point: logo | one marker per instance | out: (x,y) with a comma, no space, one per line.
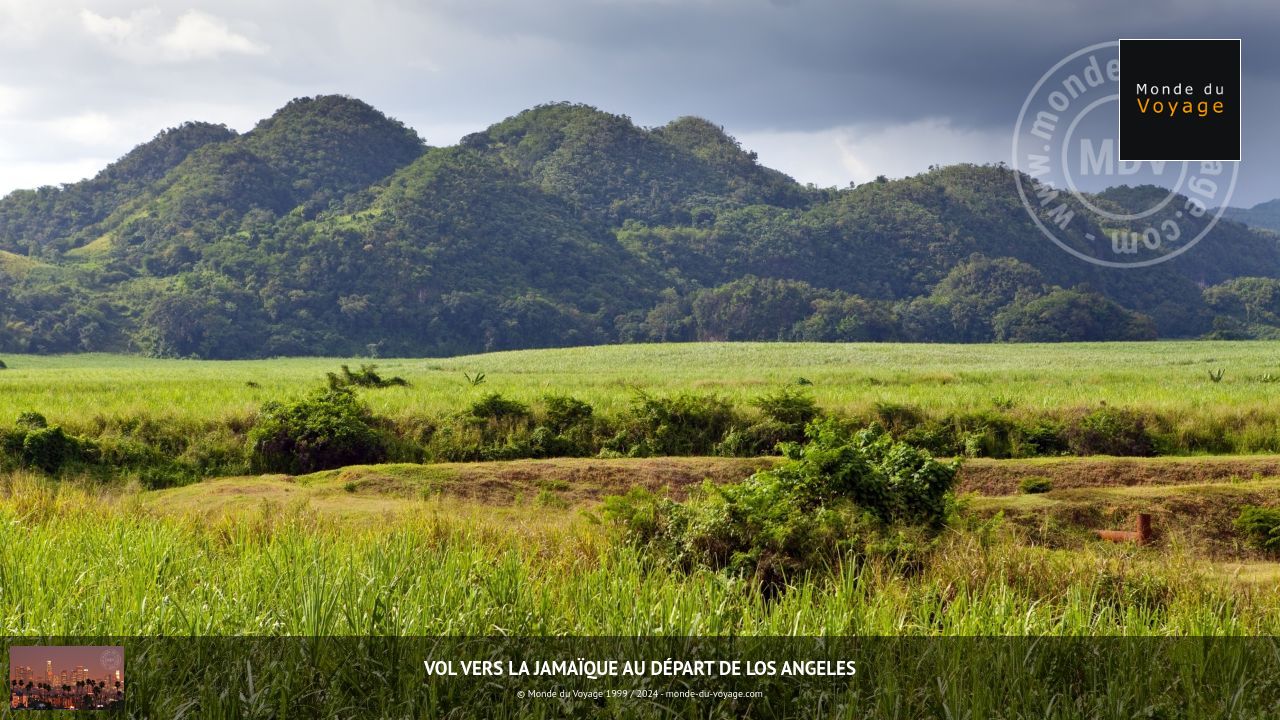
(1180,99)
(1098,208)
(110,659)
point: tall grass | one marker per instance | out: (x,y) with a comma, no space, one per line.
(74,561)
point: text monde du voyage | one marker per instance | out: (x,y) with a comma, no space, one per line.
(1181,99)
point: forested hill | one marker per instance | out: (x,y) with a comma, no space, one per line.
(1264,215)
(331,229)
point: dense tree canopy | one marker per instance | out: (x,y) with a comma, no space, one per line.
(332,229)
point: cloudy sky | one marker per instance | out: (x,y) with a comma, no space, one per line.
(829,91)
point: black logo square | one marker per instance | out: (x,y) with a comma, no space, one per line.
(1179,100)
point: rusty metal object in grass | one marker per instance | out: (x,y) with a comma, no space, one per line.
(1141,535)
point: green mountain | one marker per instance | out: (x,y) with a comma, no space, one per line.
(31,220)
(1263,215)
(331,229)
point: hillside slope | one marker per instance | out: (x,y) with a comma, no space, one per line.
(330,228)
(1263,215)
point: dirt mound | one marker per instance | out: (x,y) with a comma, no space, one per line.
(575,480)
(1001,477)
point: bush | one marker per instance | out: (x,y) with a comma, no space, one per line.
(33,443)
(11,446)
(985,434)
(1109,431)
(1260,527)
(789,407)
(541,442)
(50,448)
(32,420)
(153,467)
(1043,436)
(3,366)
(898,417)
(684,424)
(495,407)
(575,427)
(761,438)
(366,377)
(786,413)
(837,493)
(328,429)
(1035,484)
(495,428)
(565,413)
(549,499)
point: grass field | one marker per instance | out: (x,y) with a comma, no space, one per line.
(312,570)
(519,547)
(1170,377)
(274,556)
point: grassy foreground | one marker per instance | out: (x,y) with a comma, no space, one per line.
(80,561)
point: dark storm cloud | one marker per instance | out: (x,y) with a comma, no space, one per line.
(86,80)
(811,65)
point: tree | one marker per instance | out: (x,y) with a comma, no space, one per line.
(753,309)
(1071,315)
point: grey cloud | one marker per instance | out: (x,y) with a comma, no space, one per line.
(753,65)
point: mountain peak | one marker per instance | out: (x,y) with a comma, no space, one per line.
(333,144)
(323,106)
(703,138)
(150,161)
(1263,215)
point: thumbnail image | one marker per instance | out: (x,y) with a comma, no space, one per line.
(66,677)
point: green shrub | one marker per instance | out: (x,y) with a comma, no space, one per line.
(1109,431)
(762,438)
(898,417)
(984,434)
(565,413)
(366,377)
(495,407)
(1260,527)
(684,424)
(328,429)
(840,492)
(1042,436)
(165,475)
(785,415)
(541,442)
(34,443)
(1035,484)
(457,441)
(549,499)
(936,436)
(788,406)
(493,428)
(11,446)
(1003,402)
(49,448)
(3,366)
(32,420)
(154,468)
